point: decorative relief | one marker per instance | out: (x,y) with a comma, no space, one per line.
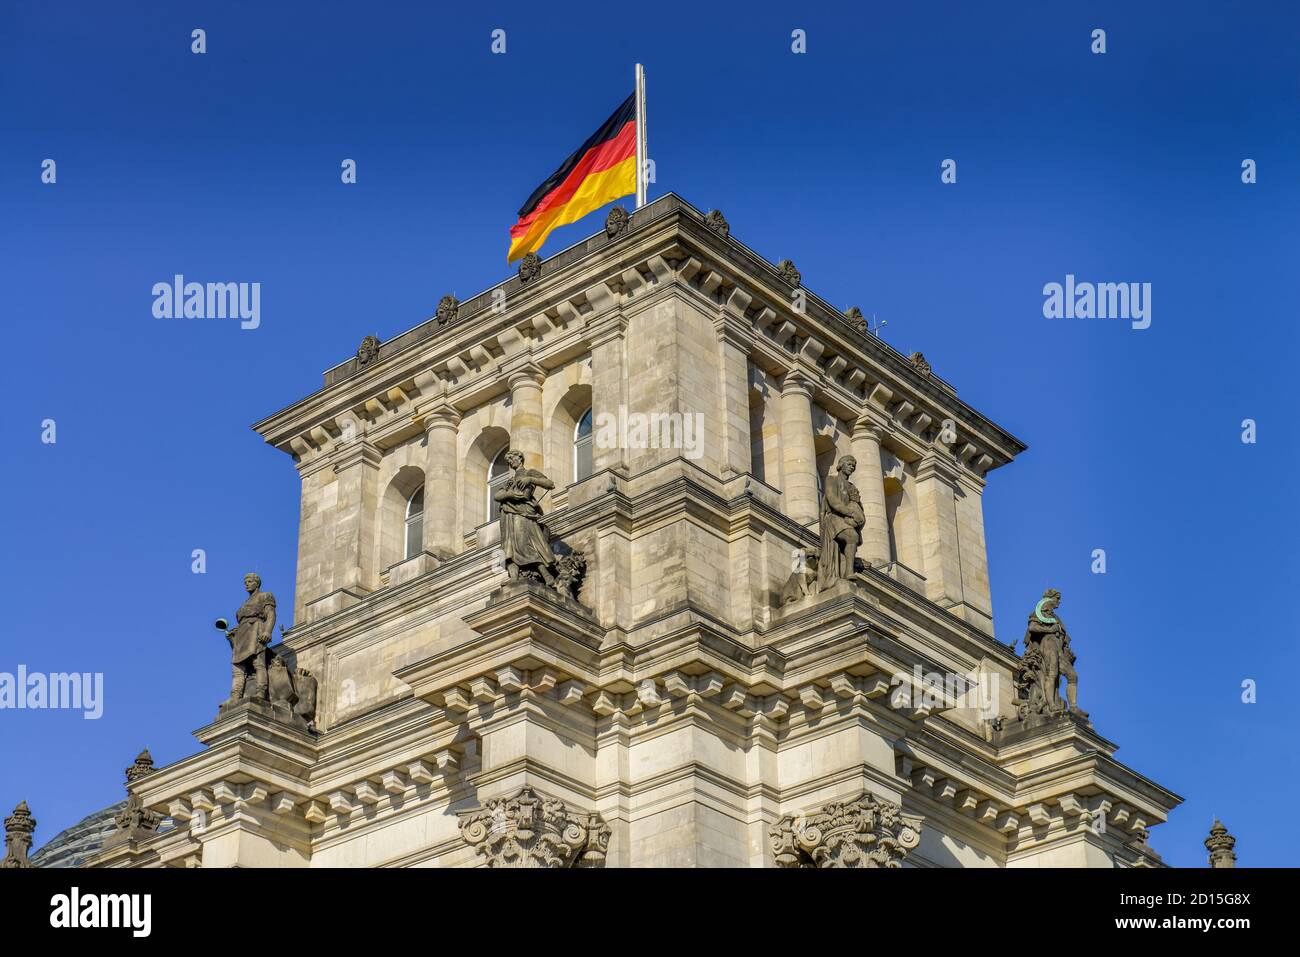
(530,267)
(18,837)
(919,363)
(854,315)
(791,275)
(718,223)
(861,833)
(368,351)
(616,222)
(528,830)
(448,310)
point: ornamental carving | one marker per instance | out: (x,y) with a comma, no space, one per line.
(528,830)
(856,319)
(18,837)
(368,351)
(135,815)
(448,310)
(919,363)
(718,223)
(616,222)
(530,267)
(791,275)
(861,833)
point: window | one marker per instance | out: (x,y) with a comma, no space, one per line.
(415,523)
(498,475)
(582,448)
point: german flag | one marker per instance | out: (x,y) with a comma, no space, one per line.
(600,170)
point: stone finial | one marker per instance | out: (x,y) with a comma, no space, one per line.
(528,830)
(448,310)
(143,765)
(1220,844)
(616,221)
(791,275)
(135,816)
(717,222)
(918,363)
(530,267)
(18,837)
(860,833)
(858,321)
(368,351)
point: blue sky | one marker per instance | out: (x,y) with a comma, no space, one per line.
(225,167)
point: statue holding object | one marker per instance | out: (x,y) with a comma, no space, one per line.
(290,691)
(529,555)
(1047,659)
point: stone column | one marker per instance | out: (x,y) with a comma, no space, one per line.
(442,464)
(870,481)
(937,511)
(526,412)
(356,472)
(733,348)
(799,474)
(608,392)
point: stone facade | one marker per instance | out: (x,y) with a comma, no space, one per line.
(676,712)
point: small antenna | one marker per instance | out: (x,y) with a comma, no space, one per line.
(876,325)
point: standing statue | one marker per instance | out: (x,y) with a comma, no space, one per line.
(288,690)
(1047,658)
(248,640)
(841,522)
(523,538)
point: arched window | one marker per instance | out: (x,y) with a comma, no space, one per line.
(415,523)
(498,475)
(582,448)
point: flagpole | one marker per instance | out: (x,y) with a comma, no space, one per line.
(640,137)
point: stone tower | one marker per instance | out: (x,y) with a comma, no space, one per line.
(685,691)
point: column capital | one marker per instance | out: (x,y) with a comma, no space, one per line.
(935,466)
(612,326)
(869,427)
(798,381)
(437,414)
(529,372)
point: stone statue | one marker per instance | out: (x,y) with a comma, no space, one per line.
(525,540)
(290,692)
(18,837)
(254,623)
(1047,659)
(841,522)
(135,816)
(523,537)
